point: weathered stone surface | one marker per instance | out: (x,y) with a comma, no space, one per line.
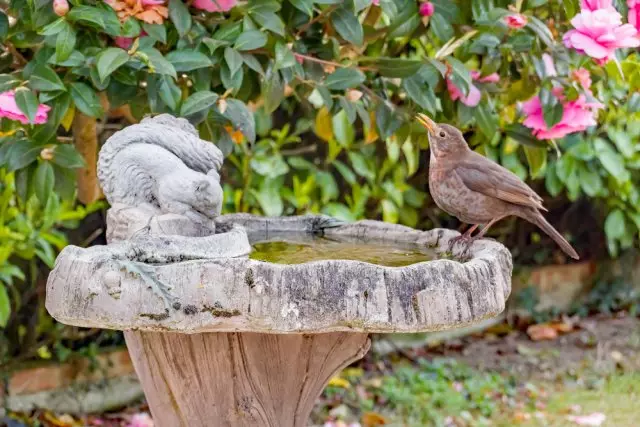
(186,284)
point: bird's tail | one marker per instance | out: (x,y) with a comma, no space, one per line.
(535,217)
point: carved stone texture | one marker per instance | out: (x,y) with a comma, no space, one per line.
(238,379)
(141,283)
(162,166)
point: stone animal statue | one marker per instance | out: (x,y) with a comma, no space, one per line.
(161,166)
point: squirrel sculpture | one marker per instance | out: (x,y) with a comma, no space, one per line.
(162,165)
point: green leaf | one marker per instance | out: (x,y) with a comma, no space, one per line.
(487,122)
(131,28)
(8,82)
(552,109)
(614,225)
(4,28)
(540,29)
(156,31)
(54,28)
(85,99)
(76,59)
(197,102)
(284,57)
(188,60)
(180,16)
(65,42)
(361,166)
(537,159)
(590,181)
(88,14)
(552,183)
(271,166)
(611,160)
(157,63)
(266,18)
(27,102)
(305,6)
(391,67)
(232,81)
(169,92)
(45,79)
(523,135)
(347,25)
(233,59)
(343,130)
(272,90)
(21,154)
(67,156)
(5,306)
(249,40)
(44,181)
(344,78)
(420,93)
(252,62)
(389,211)
(110,60)
(622,140)
(387,121)
(441,27)
(241,118)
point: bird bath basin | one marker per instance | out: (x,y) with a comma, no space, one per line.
(221,333)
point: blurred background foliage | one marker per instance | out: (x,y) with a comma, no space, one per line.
(312,102)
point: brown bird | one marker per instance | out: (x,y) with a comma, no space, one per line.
(477,190)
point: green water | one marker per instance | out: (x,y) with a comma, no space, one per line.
(317,249)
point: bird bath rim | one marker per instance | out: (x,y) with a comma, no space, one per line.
(235,294)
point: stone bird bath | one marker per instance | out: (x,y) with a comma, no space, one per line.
(218,338)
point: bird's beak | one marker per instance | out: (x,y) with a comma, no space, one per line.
(427,122)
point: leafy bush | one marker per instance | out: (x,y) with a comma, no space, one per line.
(313,103)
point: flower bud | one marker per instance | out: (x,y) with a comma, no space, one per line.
(60,7)
(353,95)
(47,153)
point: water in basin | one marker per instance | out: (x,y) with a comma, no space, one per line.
(298,249)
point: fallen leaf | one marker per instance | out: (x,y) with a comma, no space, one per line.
(372,419)
(541,332)
(339,382)
(596,419)
(563,327)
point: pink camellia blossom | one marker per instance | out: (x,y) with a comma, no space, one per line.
(599,33)
(427,9)
(10,110)
(516,21)
(140,420)
(376,2)
(583,77)
(595,4)
(549,66)
(577,116)
(473,97)
(126,42)
(634,13)
(214,5)
(60,7)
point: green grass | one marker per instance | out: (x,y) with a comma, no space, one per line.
(428,393)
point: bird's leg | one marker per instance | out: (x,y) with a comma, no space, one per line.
(463,237)
(486,227)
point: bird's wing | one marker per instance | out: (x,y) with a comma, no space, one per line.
(489,178)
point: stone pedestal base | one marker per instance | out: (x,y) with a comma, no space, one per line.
(238,379)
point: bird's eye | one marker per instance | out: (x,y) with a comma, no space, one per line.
(442,134)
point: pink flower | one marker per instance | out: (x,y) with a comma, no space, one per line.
(634,13)
(10,110)
(516,21)
(140,420)
(599,33)
(214,5)
(583,77)
(595,4)
(577,116)
(60,7)
(473,97)
(376,2)
(126,42)
(427,9)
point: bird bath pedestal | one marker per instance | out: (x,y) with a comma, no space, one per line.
(220,339)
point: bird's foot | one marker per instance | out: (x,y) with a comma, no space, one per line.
(463,238)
